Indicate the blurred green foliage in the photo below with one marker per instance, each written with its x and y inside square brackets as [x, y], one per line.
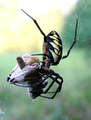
[82, 12]
[74, 101]
[21, 32]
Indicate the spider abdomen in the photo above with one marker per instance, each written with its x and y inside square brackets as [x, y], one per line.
[54, 47]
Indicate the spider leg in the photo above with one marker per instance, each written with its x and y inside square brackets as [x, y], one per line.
[50, 74]
[72, 43]
[44, 60]
[43, 54]
[45, 40]
[39, 54]
[58, 88]
[36, 24]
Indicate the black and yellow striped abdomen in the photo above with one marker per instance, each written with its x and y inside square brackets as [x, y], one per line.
[54, 47]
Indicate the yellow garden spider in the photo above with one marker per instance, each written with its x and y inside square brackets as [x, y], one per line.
[52, 54]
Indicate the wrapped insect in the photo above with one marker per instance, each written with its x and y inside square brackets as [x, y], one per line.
[26, 74]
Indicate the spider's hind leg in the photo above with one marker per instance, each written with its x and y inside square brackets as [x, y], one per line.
[58, 89]
[56, 80]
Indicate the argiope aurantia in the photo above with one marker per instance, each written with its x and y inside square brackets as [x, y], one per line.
[52, 54]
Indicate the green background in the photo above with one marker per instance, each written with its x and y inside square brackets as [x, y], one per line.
[74, 100]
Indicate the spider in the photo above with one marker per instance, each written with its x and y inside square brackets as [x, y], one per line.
[52, 54]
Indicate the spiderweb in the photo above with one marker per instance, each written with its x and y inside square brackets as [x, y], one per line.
[19, 36]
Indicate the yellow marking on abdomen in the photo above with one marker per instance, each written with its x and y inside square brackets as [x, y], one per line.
[54, 45]
[53, 37]
[57, 43]
[55, 57]
[56, 51]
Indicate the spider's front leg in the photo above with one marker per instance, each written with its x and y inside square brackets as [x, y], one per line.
[72, 43]
[41, 31]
